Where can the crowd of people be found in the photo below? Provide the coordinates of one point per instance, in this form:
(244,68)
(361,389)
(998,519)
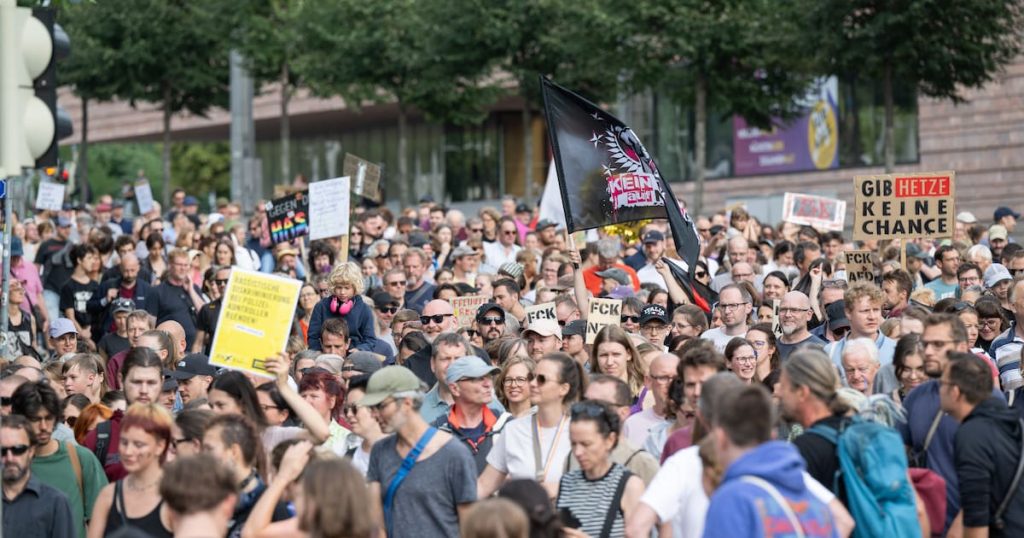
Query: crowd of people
(775,412)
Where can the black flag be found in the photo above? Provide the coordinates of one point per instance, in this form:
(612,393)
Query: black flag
(606,176)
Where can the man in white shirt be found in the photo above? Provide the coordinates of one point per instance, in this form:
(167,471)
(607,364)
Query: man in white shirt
(735,304)
(660,375)
(503,250)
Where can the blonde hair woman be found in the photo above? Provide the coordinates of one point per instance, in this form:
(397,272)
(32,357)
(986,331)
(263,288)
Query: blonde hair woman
(345,302)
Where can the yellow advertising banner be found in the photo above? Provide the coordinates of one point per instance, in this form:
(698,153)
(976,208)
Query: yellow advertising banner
(891,206)
(255,320)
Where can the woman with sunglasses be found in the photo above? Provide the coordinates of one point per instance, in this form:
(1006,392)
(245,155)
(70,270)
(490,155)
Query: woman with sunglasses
(134,501)
(536,446)
(597,498)
(206,319)
(366,430)
(513,384)
(345,302)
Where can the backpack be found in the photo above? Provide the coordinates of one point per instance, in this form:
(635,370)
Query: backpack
(873,470)
(61,258)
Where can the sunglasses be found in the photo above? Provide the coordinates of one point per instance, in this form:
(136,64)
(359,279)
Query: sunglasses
(397,283)
(589,410)
(221,282)
(490,320)
(631,319)
(5,400)
(387,309)
(472,333)
(438,319)
(543,379)
(476,230)
(17,450)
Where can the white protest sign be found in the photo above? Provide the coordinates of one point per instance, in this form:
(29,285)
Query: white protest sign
(541,313)
(144,196)
(816,211)
(907,206)
(859,266)
(50,196)
(603,312)
(329,208)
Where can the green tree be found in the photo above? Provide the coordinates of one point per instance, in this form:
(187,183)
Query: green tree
(171,54)
(202,167)
(732,56)
(428,56)
(939,47)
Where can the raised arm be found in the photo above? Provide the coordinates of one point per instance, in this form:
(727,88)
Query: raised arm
(314,423)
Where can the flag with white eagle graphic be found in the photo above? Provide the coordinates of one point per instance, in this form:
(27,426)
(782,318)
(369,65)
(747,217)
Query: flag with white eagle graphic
(606,175)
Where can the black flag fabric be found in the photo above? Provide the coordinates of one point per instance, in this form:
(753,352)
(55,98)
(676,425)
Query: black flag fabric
(606,176)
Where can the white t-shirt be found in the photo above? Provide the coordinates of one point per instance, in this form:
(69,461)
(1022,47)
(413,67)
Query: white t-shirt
(677,493)
(512,452)
(639,425)
(718,337)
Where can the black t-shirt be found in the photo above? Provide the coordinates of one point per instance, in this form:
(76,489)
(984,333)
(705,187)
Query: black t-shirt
(46,248)
(169,302)
(820,454)
(112,344)
(206,321)
(75,295)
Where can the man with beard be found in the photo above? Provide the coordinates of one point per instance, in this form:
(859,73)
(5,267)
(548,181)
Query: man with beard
(430,500)
(53,462)
(418,291)
(126,286)
(794,314)
(490,322)
(176,298)
(506,295)
(943,334)
(896,285)
(32,509)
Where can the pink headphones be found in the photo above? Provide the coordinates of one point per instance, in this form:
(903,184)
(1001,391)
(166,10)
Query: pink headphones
(340,308)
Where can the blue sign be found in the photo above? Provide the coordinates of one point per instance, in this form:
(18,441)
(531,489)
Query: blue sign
(3,188)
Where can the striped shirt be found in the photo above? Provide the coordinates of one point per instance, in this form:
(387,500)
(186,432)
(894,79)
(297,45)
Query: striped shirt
(590,500)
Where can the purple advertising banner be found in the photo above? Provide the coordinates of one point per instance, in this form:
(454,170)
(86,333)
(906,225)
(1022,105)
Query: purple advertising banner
(809,142)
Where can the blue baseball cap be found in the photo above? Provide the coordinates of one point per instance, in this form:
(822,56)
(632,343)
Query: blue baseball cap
(469,367)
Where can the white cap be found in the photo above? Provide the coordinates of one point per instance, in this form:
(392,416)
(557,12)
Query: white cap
(966,217)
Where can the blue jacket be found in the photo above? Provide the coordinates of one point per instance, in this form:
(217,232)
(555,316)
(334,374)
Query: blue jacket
(360,324)
(740,508)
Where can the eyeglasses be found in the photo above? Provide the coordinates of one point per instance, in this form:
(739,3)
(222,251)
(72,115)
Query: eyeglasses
(17,450)
(383,404)
(542,379)
(793,311)
(387,309)
(863,370)
(745,359)
(517,381)
(992,323)
(730,306)
(350,409)
(663,379)
(491,320)
(438,319)
(397,283)
(629,319)
(476,230)
(508,232)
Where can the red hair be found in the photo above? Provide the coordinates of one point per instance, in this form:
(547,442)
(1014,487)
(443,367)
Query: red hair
(153,419)
(326,382)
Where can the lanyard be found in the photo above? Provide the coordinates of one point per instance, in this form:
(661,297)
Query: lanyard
(542,471)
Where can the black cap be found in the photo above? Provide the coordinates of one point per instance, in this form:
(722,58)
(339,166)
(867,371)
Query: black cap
(545,223)
(382,298)
(427,199)
(576,327)
(653,236)
(653,312)
(522,208)
(836,313)
(192,365)
(417,240)
(488,307)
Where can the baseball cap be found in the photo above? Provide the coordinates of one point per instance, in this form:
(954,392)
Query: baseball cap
(122,304)
(383,298)
(469,367)
(362,362)
(545,327)
(653,312)
(388,381)
(16,247)
(427,199)
(621,292)
(191,200)
(190,366)
(511,269)
(63,222)
(997,231)
(995,274)
(1004,211)
(966,217)
(915,251)
(481,312)
(61,326)
(417,240)
(576,327)
(653,236)
(616,274)
(522,208)
(836,313)
(544,224)
(462,251)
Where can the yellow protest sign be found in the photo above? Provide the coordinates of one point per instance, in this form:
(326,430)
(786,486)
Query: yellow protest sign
(603,312)
(890,206)
(255,320)
(465,308)
(859,267)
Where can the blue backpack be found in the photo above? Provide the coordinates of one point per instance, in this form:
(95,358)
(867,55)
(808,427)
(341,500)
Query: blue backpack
(873,470)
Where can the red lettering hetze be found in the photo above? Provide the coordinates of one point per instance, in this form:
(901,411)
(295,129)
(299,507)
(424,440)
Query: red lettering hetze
(922,187)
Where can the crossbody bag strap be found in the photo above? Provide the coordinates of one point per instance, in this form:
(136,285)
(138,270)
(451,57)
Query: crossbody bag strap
(931,430)
(403,472)
(779,499)
(119,502)
(997,518)
(614,511)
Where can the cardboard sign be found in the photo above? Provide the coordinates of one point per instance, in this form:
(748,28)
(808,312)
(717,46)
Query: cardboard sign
(891,206)
(816,211)
(329,208)
(144,196)
(859,266)
(288,217)
(465,308)
(603,312)
(255,320)
(50,196)
(776,324)
(540,313)
(365,176)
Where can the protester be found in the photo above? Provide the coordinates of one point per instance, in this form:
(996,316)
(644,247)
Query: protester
(469,419)
(512,385)
(200,493)
(31,508)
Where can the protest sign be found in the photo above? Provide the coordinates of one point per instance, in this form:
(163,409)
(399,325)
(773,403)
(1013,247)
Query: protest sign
(891,206)
(816,211)
(329,208)
(465,308)
(50,196)
(255,320)
(144,196)
(859,266)
(541,313)
(287,217)
(365,176)
(603,312)
(776,324)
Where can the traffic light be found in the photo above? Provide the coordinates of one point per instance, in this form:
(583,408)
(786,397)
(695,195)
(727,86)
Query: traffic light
(30,121)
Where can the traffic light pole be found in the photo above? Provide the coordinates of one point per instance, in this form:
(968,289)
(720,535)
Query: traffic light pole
(8,231)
